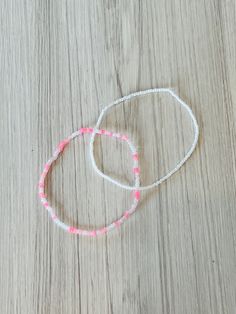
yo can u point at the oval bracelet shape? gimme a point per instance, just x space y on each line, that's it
59 150
171 172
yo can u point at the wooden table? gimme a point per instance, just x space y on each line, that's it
61 62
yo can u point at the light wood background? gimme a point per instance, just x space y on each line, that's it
60 63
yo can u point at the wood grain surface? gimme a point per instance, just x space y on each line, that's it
60 63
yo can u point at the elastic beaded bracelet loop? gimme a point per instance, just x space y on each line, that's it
57 152
179 164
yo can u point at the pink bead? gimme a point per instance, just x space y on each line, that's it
82 130
42 195
54 217
43 176
108 133
137 195
124 137
102 132
72 230
93 233
136 170
135 156
46 204
47 167
117 223
62 145
41 185
126 214
90 130
103 230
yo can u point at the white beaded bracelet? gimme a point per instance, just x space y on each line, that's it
179 164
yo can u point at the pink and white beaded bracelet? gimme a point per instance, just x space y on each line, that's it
57 152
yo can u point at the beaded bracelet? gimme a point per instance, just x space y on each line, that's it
179 164
59 150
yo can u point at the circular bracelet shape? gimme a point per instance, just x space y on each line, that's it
57 152
179 164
